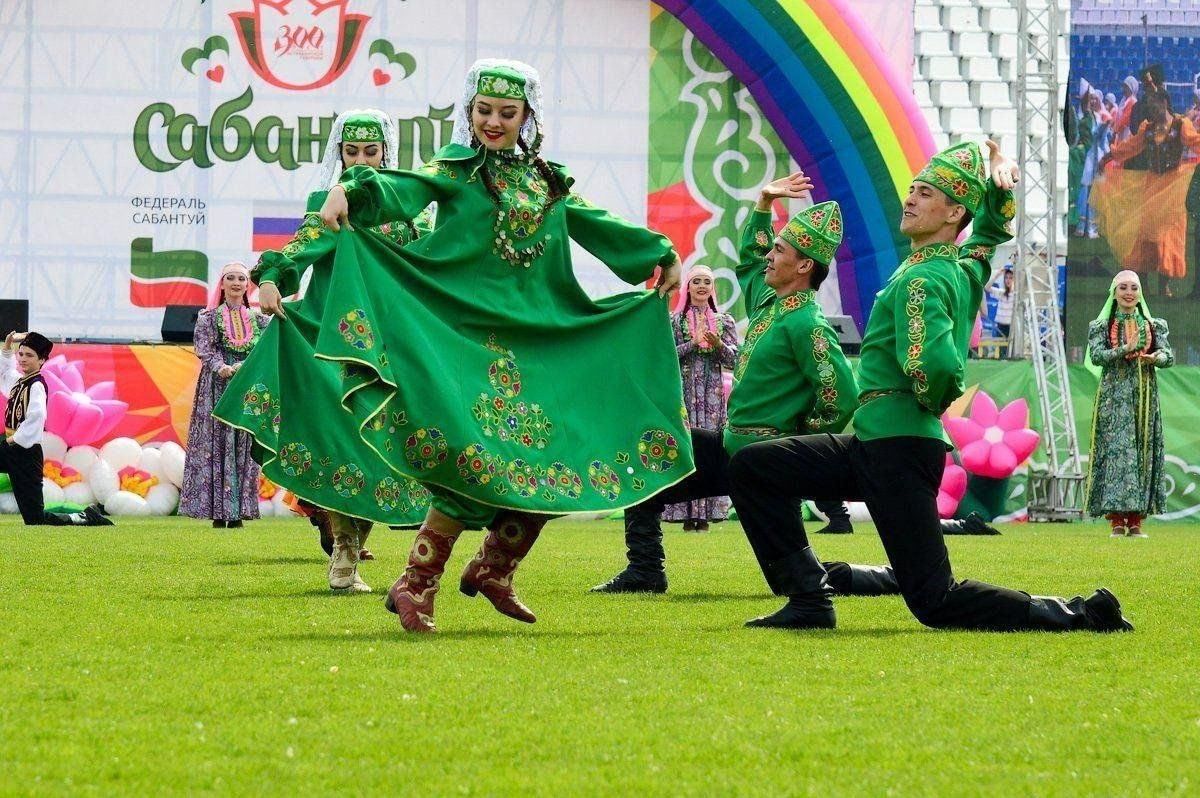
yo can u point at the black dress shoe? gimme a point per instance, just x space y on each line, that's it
218 524
629 581
974 524
96 516
837 528
1104 612
234 525
799 613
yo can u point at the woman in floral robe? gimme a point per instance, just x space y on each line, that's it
706 340
220 477
1125 478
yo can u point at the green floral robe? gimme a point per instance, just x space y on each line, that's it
473 361
1125 474
273 398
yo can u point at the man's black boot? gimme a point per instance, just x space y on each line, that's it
800 577
839 518
643 539
1100 612
973 524
845 579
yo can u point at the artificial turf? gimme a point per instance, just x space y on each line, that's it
164 657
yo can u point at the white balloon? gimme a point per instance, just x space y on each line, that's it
51 492
123 502
162 499
102 479
79 493
171 457
53 447
8 503
82 458
150 461
121 452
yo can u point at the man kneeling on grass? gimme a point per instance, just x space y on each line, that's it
24 422
912 368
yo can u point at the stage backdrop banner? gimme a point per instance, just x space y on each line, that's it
143 145
1130 208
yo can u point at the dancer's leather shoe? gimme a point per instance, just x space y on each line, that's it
799 613
630 581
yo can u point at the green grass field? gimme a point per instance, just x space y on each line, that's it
164 657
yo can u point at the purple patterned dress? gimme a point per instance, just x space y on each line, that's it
220 479
704 397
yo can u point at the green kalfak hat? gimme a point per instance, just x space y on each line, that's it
960 173
362 128
816 231
501 82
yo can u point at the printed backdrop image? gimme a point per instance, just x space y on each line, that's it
146 144
1133 107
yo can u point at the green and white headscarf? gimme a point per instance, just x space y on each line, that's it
359 126
503 78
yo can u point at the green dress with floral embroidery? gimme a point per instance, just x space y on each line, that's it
791 377
285 383
473 360
1125 471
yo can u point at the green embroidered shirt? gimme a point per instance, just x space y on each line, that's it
915 348
791 377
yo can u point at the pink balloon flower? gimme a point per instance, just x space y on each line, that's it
992 442
952 489
77 414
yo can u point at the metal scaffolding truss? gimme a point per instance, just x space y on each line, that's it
1056 493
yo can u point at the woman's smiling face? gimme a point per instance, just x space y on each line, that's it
496 121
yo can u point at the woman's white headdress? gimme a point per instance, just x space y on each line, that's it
331 165
532 95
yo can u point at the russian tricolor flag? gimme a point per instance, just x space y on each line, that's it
272 232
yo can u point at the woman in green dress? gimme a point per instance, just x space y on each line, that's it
473 360
284 381
1125 477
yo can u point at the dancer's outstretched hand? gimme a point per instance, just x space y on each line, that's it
270 301
795 185
336 211
669 278
1004 170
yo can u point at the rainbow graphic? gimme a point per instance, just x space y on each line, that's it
844 115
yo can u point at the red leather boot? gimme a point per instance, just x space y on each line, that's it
507 542
412 596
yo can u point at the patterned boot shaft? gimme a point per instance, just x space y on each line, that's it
412 596
491 571
343 562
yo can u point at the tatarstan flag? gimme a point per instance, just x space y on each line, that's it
170 277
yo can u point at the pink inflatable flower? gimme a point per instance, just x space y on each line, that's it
952 489
992 442
76 414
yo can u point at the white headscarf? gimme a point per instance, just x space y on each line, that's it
331 165
1133 85
533 96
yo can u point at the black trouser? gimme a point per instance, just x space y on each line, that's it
898 478
643 522
643 530
24 468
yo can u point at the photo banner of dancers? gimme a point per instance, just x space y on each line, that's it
216 114
1131 126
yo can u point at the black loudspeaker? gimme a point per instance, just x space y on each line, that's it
14 316
847 332
179 323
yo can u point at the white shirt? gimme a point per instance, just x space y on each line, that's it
29 431
1004 304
